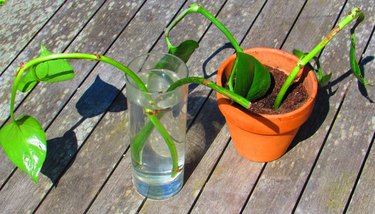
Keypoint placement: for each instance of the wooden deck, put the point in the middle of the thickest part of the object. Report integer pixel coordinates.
(329, 169)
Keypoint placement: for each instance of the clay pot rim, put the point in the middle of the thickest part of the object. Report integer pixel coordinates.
(286, 54)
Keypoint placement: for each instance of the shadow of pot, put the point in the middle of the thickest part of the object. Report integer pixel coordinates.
(265, 137)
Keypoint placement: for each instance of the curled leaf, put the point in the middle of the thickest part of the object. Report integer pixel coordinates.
(184, 50)
(353, 62)
(252, 78)
(49, 71)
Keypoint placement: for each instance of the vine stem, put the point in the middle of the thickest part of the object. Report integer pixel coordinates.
(354, 14)
(97, 57)
(199, 80)
(196, 8)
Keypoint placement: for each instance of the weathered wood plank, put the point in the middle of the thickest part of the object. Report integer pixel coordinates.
(20, 187)
(76, 189)
(363, 199)
(335, 174)
(23, 20)
(364, 196)
(229, 185)
(282, 181)
(58, 33)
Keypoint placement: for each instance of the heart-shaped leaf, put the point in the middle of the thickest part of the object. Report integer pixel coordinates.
(24, 142)
(184, 50)
(49, 71)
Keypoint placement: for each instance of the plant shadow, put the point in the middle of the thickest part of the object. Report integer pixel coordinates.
(208, 126)
(321, 107)
(61, 151)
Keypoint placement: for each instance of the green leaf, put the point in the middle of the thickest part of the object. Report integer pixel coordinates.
(353, 61)
(261, 82)
(49, 71)
(244, 72)
(24, 142)
(252, 78)
(184, 50)
(323, 79)
(298, 53)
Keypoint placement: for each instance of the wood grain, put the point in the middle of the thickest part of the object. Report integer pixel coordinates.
(23, 21)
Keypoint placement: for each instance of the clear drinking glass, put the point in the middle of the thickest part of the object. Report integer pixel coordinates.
(153, 175)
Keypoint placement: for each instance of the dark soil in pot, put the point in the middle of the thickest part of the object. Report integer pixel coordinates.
(296, 96)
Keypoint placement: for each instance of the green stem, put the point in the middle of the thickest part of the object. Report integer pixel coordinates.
(196, 8)
(97, 57)
(163, 132)
(140, 139)
(199, 80)
(354, 14)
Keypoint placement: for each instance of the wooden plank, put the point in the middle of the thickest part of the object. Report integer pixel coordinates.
(336, 171)
(20, 187)
(282, 181)
(363, 199)
(364, 196)
(229, 185)
(22, 22)
(58, 33)
(76, 189)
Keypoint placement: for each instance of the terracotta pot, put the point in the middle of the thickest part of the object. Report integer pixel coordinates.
(264, 137)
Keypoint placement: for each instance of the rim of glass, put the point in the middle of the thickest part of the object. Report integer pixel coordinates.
(131, 83)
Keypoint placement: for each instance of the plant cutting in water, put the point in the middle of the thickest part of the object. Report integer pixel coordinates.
(24, 140)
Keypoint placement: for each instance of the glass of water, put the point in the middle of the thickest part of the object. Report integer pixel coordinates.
(158, 167)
